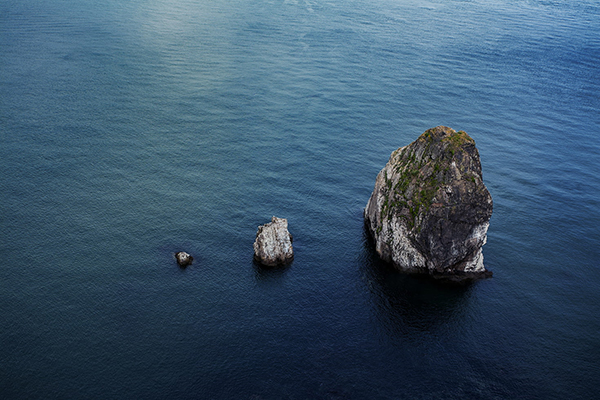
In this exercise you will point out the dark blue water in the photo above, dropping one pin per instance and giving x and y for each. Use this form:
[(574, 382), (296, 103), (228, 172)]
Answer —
[(131, 130)]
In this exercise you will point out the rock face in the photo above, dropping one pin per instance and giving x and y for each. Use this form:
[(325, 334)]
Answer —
[(430, 210), (183, 258), (273, 244)]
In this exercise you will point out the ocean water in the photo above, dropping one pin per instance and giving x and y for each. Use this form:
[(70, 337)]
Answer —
[(130, 130)]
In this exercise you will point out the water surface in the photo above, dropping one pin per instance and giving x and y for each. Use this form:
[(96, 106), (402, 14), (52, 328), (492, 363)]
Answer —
[(131, 130)]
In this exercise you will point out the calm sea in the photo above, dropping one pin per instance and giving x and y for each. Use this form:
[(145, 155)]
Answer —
[(130, 130)]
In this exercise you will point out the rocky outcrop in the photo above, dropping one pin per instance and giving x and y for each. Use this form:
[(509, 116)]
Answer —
[(183, 258), (273, 244), (429, 212)]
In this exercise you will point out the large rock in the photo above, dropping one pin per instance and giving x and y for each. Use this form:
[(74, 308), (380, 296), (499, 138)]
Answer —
[(430, 210), (273, 244)]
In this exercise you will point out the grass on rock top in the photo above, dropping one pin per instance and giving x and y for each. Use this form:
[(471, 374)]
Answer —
[(420, 174)]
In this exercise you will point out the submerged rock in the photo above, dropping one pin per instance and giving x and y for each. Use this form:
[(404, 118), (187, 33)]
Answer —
[(273, 244), (429, 211), (183, 258)]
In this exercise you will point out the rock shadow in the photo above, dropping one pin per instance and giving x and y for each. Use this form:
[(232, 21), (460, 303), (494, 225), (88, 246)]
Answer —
[(410, 305), (265, 274)]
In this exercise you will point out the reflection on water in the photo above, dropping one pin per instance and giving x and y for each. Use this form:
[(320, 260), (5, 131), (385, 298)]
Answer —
[(267, 275), (407, 305)]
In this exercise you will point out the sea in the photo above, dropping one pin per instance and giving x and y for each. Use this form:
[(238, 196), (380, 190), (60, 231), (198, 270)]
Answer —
[(130, 130)]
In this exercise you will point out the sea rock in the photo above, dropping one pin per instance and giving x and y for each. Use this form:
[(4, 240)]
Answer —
[(183, 258), (429, 211), (273, 244)]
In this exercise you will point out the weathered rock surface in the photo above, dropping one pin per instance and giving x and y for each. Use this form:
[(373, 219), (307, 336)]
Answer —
[(183, 258), (430, 210), (273, 244)]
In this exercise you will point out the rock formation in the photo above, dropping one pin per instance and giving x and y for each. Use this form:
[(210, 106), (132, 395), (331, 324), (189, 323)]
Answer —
[(183, 258), (430, 210), (273, 244)]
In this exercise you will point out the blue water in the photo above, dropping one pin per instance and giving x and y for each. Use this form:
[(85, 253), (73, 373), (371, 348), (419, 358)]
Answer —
[(131, 130)]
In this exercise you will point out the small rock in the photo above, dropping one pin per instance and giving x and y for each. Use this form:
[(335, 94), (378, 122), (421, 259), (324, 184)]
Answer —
[(273, 244), (183, 258)]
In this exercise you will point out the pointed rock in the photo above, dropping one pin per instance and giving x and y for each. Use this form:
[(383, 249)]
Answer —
[(273, 244)]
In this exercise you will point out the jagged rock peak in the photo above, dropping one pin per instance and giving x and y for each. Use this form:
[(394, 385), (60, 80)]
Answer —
[(273, 244), (429, 211)]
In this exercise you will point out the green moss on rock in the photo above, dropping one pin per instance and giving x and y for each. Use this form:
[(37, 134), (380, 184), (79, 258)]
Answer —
[(434, 186)]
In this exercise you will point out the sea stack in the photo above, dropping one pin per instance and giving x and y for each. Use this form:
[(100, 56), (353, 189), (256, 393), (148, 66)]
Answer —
[(273, 244), (429, 211)]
